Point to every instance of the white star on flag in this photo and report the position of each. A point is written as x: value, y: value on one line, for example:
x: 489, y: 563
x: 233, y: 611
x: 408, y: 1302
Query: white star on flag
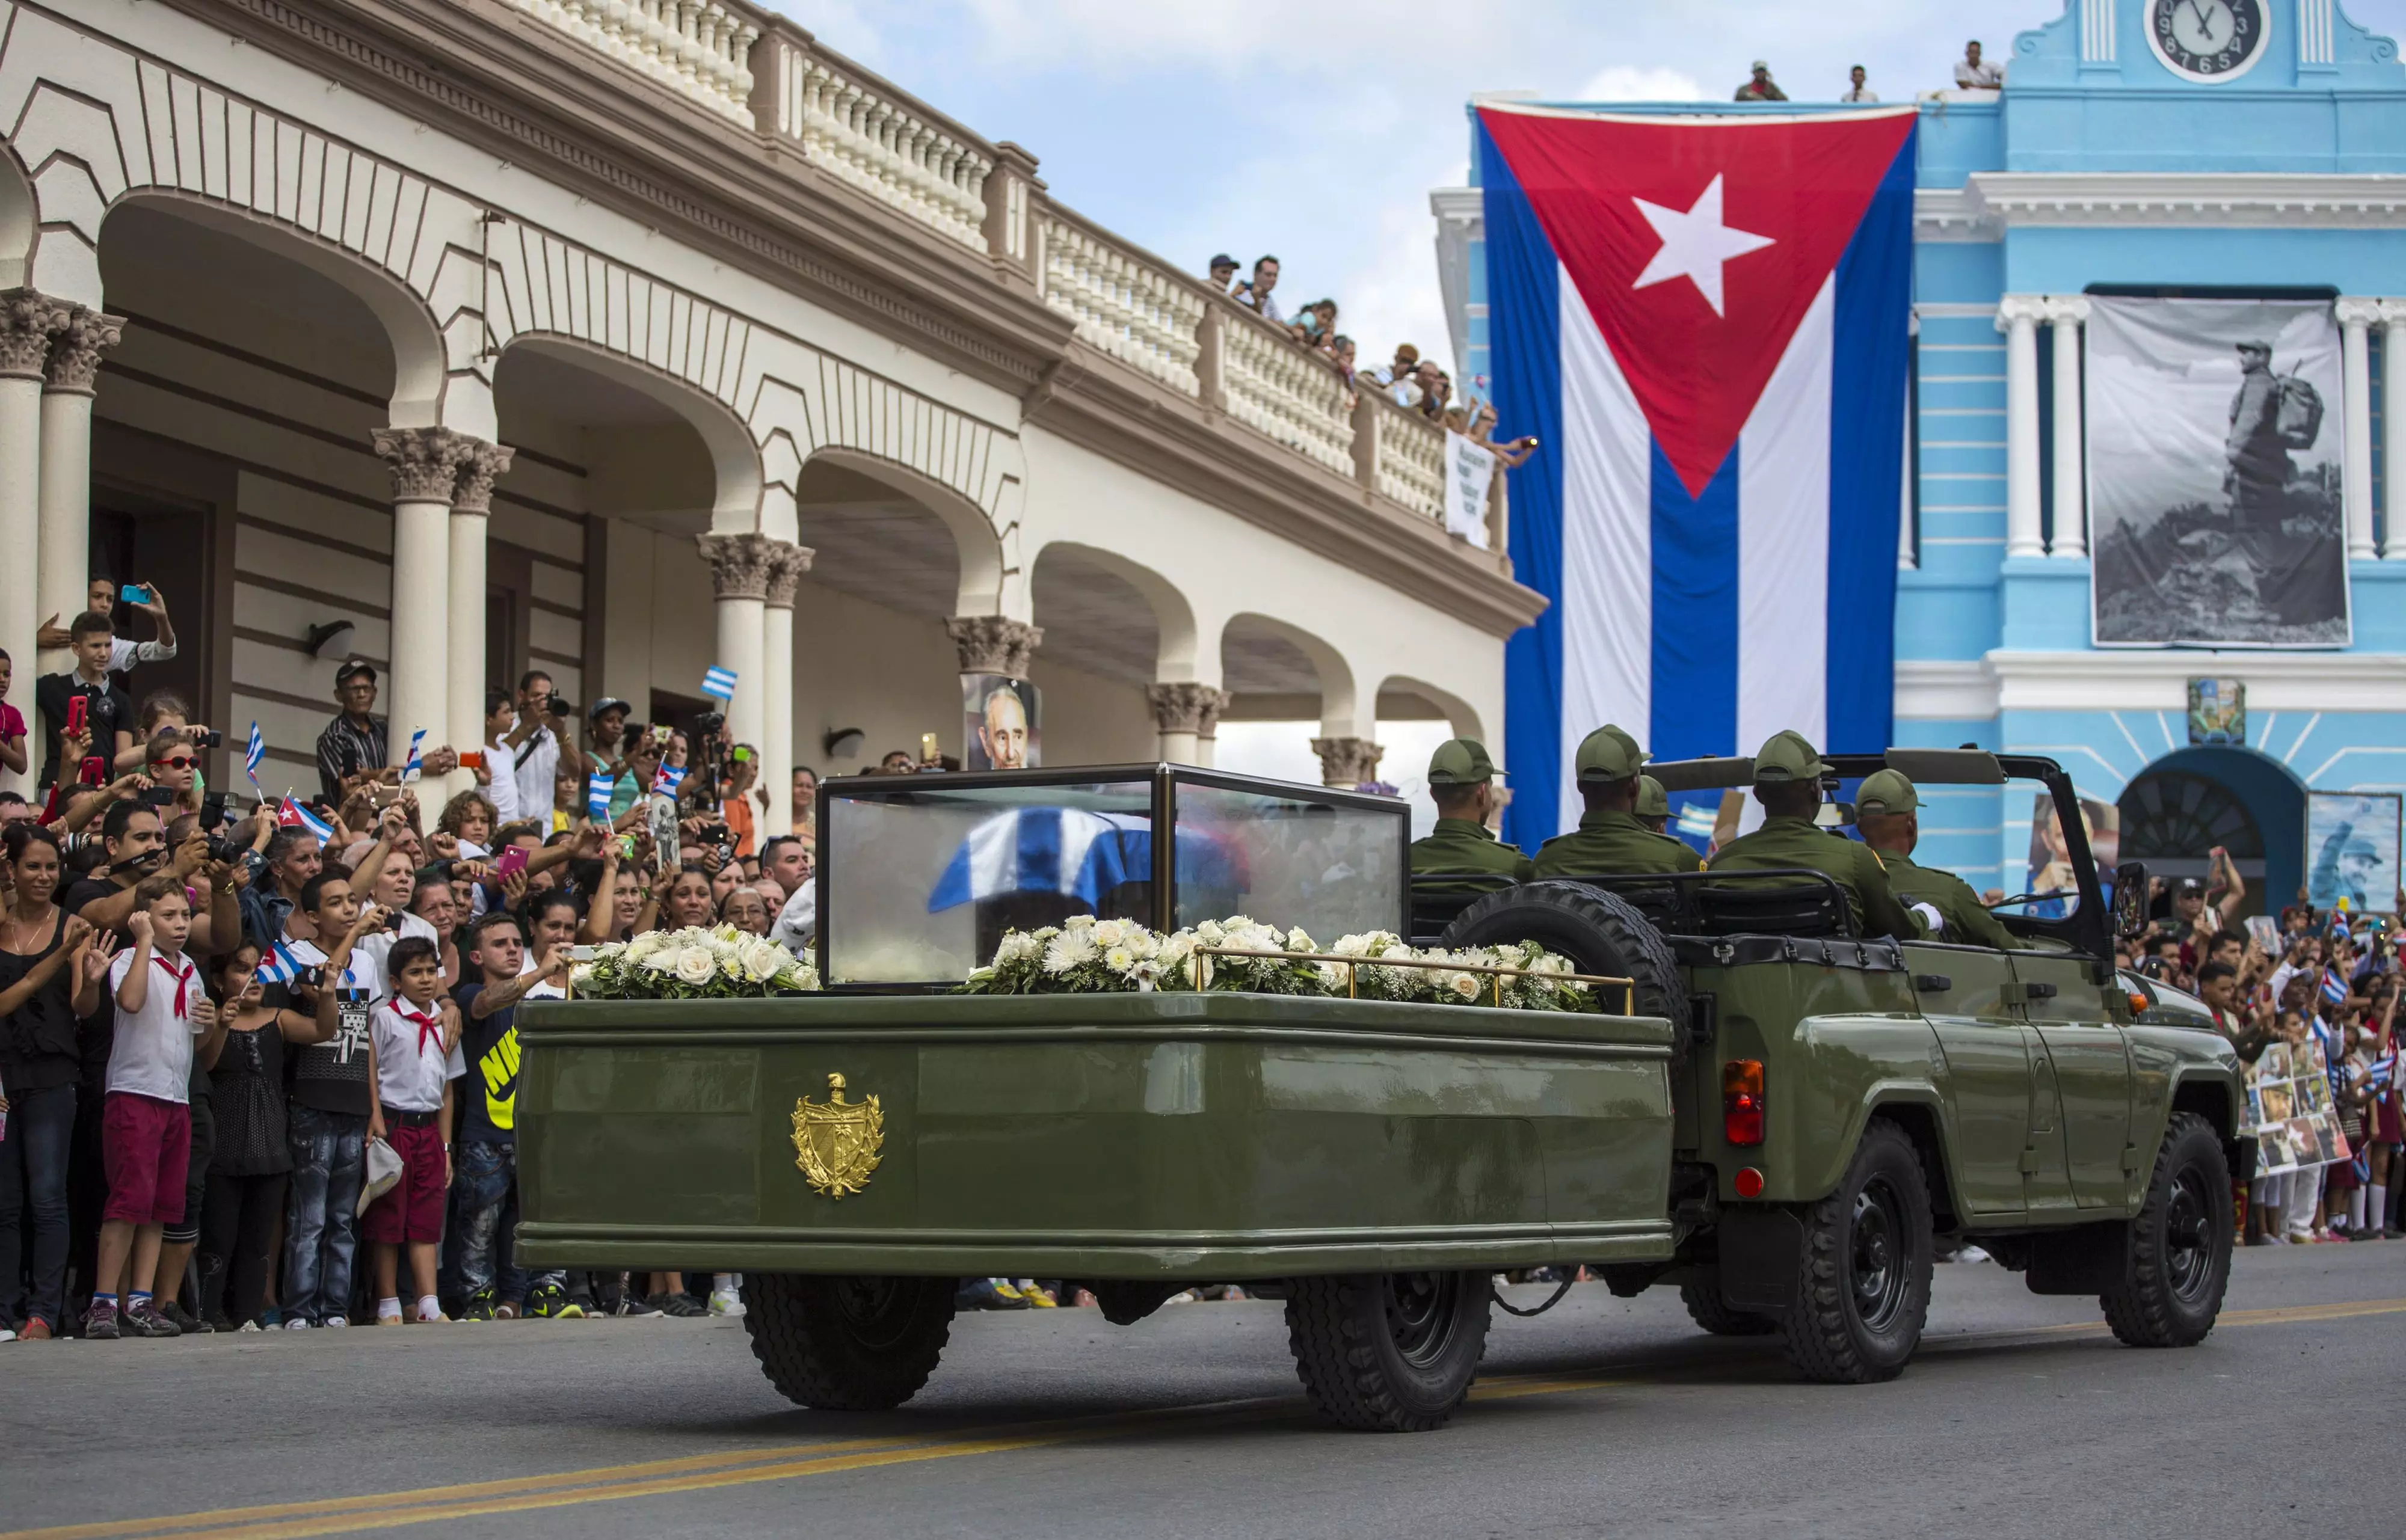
x: 1695, y: 244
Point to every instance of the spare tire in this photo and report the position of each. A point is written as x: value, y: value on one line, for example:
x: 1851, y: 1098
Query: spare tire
x: 1598, y: 931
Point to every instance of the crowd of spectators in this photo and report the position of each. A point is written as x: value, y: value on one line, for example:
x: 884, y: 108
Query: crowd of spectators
x: 242, y: 1038
x: 1973, y: 72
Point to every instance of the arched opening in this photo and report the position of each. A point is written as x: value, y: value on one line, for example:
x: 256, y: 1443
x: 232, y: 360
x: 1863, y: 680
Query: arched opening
x: 1414, y: 717
x: 1111, y: 630
x: 17, y: 219
x: 1288, y: 688
x: 2182, y: 805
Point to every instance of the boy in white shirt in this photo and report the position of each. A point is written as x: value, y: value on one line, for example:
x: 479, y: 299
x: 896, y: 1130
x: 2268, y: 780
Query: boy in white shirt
x: 145, y: 1126
x: 414, y: 1054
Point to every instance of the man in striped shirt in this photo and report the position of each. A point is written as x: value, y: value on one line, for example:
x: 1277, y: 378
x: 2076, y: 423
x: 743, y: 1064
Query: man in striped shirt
x: 352, y: 749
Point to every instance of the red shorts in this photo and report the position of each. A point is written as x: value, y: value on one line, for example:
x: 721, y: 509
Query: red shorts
x: 412, y: 1209
x: 146, y: 1148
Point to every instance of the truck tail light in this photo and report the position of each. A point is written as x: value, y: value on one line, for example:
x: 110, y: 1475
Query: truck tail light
x: 1742, y: 1101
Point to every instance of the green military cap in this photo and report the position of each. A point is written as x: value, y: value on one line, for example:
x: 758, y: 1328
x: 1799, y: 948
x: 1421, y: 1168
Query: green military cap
x: 1460, y: 762
x: 1652, y: 800
x: 1608, y: 754
x: 1886, y: 791
x: 1787, y: 757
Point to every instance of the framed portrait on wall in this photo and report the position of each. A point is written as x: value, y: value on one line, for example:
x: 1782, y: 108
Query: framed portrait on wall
x: 1000, y: 723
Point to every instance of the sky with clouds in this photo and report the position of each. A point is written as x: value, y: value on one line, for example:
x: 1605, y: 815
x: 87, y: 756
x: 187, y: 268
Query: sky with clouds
x: 1315, y: 129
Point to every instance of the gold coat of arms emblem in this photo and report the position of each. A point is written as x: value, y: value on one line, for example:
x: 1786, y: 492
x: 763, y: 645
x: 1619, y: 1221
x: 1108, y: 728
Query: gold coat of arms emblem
x: 836, y: 1141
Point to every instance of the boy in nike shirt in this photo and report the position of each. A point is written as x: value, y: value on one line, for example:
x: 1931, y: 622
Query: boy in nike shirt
x: 487, y: 1152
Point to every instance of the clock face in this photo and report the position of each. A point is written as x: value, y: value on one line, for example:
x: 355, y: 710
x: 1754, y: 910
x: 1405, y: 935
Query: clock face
x: 2207, y: 40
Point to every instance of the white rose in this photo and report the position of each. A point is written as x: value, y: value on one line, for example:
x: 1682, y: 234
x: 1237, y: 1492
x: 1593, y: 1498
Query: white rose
x: 1143, y: 942
x: 1298, y: 942
x: 1211, y: 933
x: 1111, y: 933
x: 763, y: 960
x: 581, y: 976
x: 696, y: 966
x: 1079, y: 922
x: 1465, y: 986
x: 643, y: 946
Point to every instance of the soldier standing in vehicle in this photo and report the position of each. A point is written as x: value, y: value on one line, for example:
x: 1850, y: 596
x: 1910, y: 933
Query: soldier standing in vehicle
x: 1462, y: 783
x: 1653, y: 804
x: 1611, y: 838
x: 1788, y: 773
x: 1887, y: 815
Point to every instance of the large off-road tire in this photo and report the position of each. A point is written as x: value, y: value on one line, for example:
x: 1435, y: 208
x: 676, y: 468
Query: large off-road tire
x: 1388, y: 1352
x: 847, y: 1344
x: 2179, y: 1244
x: 1863, y: 1283
x: 1596, y: 930
x: 1708, y: 1309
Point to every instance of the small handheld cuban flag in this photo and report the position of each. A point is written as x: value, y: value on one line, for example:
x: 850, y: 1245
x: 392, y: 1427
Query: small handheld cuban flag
x: 668, y: 778
x: 414, y: 767
x: 293, y: 815
x: 718, y: 683
x: 279, y: 967
x: 2334, y: 987
x: 254, y: 753
x: 597, y: 796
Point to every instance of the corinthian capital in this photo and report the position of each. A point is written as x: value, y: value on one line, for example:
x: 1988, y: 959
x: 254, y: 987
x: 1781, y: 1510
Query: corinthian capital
x: 28, y: 320
x: 993, y: 644
x: 473, y: 492
x: 788, y: 562
x: 739, y: 564
x: 1186, y: 707
x: 1347, y: 761
x: 424, y: 461
x: 75, y: 348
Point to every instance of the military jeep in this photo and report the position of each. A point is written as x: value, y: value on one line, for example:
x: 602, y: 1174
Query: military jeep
x: 1780, y: 1118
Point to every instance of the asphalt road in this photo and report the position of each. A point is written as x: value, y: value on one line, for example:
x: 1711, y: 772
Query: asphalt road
x: 2021, y: 1416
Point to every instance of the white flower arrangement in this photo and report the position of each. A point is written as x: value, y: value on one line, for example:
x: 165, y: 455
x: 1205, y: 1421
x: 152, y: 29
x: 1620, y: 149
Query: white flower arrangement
x: 1085, y: 956
x: 693, y: 964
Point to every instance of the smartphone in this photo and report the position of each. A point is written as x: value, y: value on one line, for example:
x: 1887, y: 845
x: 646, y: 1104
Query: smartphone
x: 135, y: 593
x: 928, y: 754
x: 473, y: 759
x: 76, y: 706
x: 741, y: 754
x: 95, y: 771
x: 513, y: 860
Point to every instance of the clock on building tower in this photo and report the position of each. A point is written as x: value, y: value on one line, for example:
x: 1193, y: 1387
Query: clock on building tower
x: 2207, y: 40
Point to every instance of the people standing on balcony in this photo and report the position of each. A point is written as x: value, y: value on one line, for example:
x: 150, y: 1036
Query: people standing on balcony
x: 1856, y: 90
x: 1255, y: 295
x: 100, y: 596
x: 1223, y: 272
x: 1482, y: 429
x: 1396, y: 378
x: 1314, y: 324
x: 1973, y: 73
x: 1758, y: 88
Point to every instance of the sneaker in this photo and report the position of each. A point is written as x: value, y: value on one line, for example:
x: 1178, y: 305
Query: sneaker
x: 1970, y: 1254
x: 1184, y: 1296
x: 550, y: 1302
x: 335, y: 1322
x: 185, y: 1322
x: 630, y: 1304
x: 144, y: 1319
x: 294, y: 1323
x: 986, y: 1293
x: 100, y: 1323
x: 1039, y: 1296
x: 727, y: 1302
x: 1009, y: 1293
x: 1234, y: 1293
x: 479, y: 1305
x: 679, y: 1305
x: 250, y: 1326
x: 2351, y: 1235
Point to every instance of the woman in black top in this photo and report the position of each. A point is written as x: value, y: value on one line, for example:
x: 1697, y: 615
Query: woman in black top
x: 50, y: 968
x: 252, y: 1161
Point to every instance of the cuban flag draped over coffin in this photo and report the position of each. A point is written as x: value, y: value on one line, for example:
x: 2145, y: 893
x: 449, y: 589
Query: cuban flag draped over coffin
x: 1703, y: 322
x: 1078, y: 853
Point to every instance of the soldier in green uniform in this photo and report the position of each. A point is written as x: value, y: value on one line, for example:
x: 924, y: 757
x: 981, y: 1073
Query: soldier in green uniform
x: 1611, y: 839
x: 1887, y: 815
x: 1653, y: 804
x: 1788, y: 773
x: 1462, y: 783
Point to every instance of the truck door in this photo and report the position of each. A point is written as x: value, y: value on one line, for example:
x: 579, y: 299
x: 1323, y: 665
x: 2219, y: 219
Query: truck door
x: 1961, y: 991
x: 2063, y: 1001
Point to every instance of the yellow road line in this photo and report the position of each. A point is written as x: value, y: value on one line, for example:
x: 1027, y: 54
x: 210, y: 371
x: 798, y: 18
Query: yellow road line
x: 784, y: 1463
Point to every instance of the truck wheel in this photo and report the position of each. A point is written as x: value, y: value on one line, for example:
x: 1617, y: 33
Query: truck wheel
x: 1862, y: 1287
x: 2179, y: 1244
x: 1598, y: 931
x: 1708, y: 1309
x: 1388, y: 1352
x: 847, y: 1344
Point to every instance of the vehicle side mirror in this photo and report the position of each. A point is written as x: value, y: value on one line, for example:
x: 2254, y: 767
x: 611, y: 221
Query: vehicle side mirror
x: 2130, y: 899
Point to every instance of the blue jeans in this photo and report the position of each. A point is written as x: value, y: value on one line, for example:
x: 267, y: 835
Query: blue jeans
x: 322, y: 1231
x: 485, y: 1173
x: 34, y: 1201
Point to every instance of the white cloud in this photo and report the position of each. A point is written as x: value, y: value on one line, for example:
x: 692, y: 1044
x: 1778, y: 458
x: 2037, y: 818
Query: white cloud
x: 1641, y: 83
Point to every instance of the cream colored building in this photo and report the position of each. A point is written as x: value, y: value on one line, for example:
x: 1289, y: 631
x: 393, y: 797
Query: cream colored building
x: 623, y: 337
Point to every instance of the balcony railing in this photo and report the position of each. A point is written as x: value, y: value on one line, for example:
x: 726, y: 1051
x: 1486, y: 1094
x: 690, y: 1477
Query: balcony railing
x: 1283, y: 390
x: 699, y: 49
x: 882, y: 141
x: 1123, y: 301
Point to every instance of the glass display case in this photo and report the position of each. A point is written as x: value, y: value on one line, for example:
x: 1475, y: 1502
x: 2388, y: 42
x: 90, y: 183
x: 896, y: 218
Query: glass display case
x: 920, y: 875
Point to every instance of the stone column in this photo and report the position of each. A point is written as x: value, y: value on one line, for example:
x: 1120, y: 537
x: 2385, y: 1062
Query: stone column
x: 2018, y: 318
x: 2356, y: 317
x: 472, y: 505
x: 1186, y: 714
x: 2393, y: 426
x: 28, y: 321
x: 2067, y: 314
x: 65, y: 562
x: 738, y: 580
x: 787, y: 563
x: 1347, y: 762
x: 425, y: 466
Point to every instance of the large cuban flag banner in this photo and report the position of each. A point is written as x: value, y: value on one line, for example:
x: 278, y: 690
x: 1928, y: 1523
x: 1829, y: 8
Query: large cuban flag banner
x: 1703, y: 320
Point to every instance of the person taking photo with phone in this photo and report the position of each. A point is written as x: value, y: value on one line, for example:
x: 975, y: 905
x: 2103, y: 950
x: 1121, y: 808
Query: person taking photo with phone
x: 84, y: 701
x: 101, y: 596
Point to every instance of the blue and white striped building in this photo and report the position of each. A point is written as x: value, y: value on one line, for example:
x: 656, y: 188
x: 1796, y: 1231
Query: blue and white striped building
x: 2100, y: 169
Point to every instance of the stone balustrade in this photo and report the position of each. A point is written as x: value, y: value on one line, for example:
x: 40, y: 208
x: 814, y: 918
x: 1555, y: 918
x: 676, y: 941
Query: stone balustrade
x: 1405, y: 454
x: 1283, y: 392
x: 699, y: 49
x: 879, y: 140
x: 1124, y: 301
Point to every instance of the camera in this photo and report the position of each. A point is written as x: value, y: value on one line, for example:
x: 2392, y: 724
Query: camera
x: 712, y: 834
x: 209, y: 740
x: 709, y: 723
